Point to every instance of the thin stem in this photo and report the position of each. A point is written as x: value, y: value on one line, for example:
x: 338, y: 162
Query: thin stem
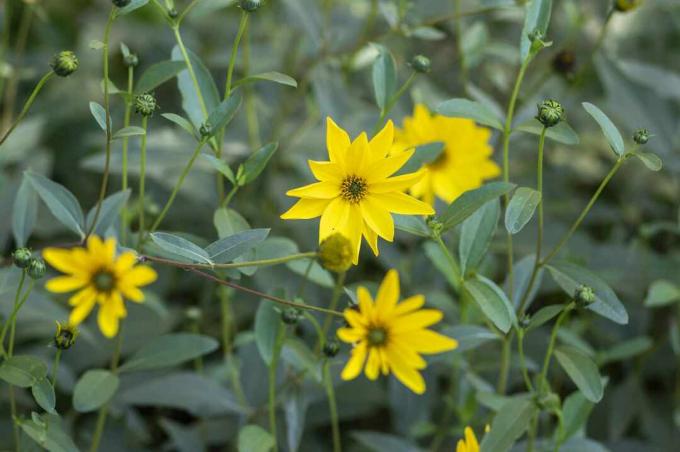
x: 234, y: 52
x: 551, y: 344
x: 337, y: 291
x: 186, y: 11
x: 392, y: 101
x: 522, y: 360
x: 142, y: 183
x: 249, y: 99
x: 257, y: 263
x: 227, y: 199
x: 459, y: 44
x: 27, y: 105
x: 278, y: 344
x: 126, y: 123
x: 15, y: 309
x: 455, y: 268
x: 178, y: 185
x: 13, y: 326
x: 501, y: 386
x: 22, y: 33
x: 332, y: 406
x: 229, y: 331
x: 55, y: 368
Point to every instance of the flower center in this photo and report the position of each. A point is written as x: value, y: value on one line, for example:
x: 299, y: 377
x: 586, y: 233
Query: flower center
x: 377, y: 337
x: 104, y: 281
x: 353, y: 189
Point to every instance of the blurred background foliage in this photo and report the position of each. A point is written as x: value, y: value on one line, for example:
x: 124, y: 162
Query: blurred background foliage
x: 631, y: 238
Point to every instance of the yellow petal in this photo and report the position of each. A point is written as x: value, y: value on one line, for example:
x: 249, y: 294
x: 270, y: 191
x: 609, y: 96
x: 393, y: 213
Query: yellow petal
x: 83, y: 301
x: 409, y: 376
x: 372, y: 364
x: 429, y: 342
x: 350, y: 335
x: 378, y: 218
x: 381, y: 143
x: 384, y: 168
x: 109, y: 316
x: 337, y: 142
x: 356, y: 362
x: 305, y: 209
x: 125, y: 262
x: 401, y: 345
x: 396, y: 183
x: 327, y: 171
x: 409, y: 305
x: 416, y: 320
x: 471, y: 440
x: 317, y: 190
x: 141, y: 275
x: 63, y: 260
x: 62, y: 284
x: 365, y: 303
x: 358, y: 154
x: 388, y: 293
x: 131, y: 293
x: 402, y: 203
x: 333, y: 217
x: 371, y: 238
x: 461, y: 447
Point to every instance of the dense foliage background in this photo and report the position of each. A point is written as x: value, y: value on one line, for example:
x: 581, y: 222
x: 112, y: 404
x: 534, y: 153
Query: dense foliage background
x: 631, y: 238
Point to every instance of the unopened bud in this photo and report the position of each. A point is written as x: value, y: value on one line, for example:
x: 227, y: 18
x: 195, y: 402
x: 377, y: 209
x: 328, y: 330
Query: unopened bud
x: 550, y: 113
x: 290, y: 316
x: 131, y: 60
x: 121, y: 3
x: 65, y: 336
x: 250, y: 6
x: 145, y: 104
x: 22, y: 257
x: 36, y: 268
x: 641, y: 136
x: 584, y: 295
x: 64, y: 63
x: 335, y: 253
x: 331, y: 348
x: 421, y: 63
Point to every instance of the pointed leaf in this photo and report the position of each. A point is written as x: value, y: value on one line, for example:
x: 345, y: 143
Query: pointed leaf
x: 109, y: 211
x: 582, y: 371
x: 257, y: 162
x: 465, y: 108
x: 492, y: 301
x: 158, y: 74
x: 468, y: 203
x: 384, y: 77
x: 61, y: 202
x: 537, y: 18
x: 229, y: 248
x: 24, y: 213
x: 169, y: 350
x: 610, y: 131
x: 476, y: 235
x: 273, y: 76
x: 181, y: 247
x: 94, y: 389
x: 521, y: 208
x: 511, y: 421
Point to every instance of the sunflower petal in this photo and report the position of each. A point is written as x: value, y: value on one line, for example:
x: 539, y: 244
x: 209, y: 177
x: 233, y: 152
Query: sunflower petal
x: 356, y: 362
x: 337, y: 142
x: 377, y: 218
x: 62, y: 284
x: 305, y: 209
x: 404, y: 204
x: 317, y: 190
x: 388, y: 293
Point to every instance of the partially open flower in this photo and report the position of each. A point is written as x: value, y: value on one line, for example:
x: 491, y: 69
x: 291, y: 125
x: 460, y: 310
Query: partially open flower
x: 64, y: 63
x: 550, y: 113
x: 65, y: 336
x: 335, y: 253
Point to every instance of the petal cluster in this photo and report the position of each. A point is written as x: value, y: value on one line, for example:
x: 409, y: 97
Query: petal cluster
x: 469, y: 443
x: 357, y: 192
x: 390, y: 336
x: 99, y: 277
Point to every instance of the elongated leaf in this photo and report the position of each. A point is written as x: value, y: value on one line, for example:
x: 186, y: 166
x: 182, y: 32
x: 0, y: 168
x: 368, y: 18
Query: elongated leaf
x: 302, y: 358
x: 625, y: 350
x: 182, y: 122
x: 43, y: 393
x: 24, y: 213
x: 267, y: 326
x: 22, y: 370
x: 662, y: 293
x: 511, y: 421
x: 450, y: 270
x: 465, y: 108
x: 125, y: 132
x: 651, y: 160
x: 99, y: 114
x: 132, y: 6
x: 253, y: 438
x: 221, y: 166
x: 610, y: 131
x: 224, y: 113
x: 109, y: 211
x: 521, y: 208
x: 48, y: 433
x: 575, y: 411
x: 476, y: 235
x: 229, y: 248
x: 295, y: 409
x: 384, y: 77
x: 582, y: 371
x: 61, y: 202
x: 190, y: 99
x: 569, y: 276
x: 521, y: 278
x: 562, y: 132
x: 256, y: 163
x: 181, y: 247
x: 468, y: 203
x: 537, y: 18
x: 169, y: 350
x: 492, y: 301
x: 411, y: 224
x: 543, y: 315
x: 94, y: 389
x: 157, y: 74
x: 273, y: 76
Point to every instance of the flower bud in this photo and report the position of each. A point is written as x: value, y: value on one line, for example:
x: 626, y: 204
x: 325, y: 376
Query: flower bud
x: 565, y: 63
x: 250, y: 6
x: 331, y: 348
x: 121, y: 3
x: 145, y: 104
x: 584, y: 295
x: 290, y: 316
x: 626, y: 5
x: 65, y: 336
x: 435, y: 225
x: 550, y: 113
x: 172, y: 12
x: 641, y: 136
x: 206, y: 130
x: 549, y: 402
x: 64, y: 63
x: 131, y: 60
x: 421, y: 64
x: 36, y: 268
x: 335, y: 253
x: 22, y: 257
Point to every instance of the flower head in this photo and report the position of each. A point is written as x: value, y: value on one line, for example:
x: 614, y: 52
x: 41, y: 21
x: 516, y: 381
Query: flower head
x: 465, y: 162
x: 22, y: 257
x: 64, y: 63
x: 626, y: 5
x: 469, y: 443
x: 36, y: 268
x: 389, y: 336
x: 356, y: 194
x: 65, y: 336
x: 550, y: 113
x: 99, y: 278
x: 145, y: 104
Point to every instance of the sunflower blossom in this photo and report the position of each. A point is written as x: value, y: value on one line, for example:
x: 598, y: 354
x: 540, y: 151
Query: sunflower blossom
x: 465, y: 162
x: 356, y: 195
x: 469, y: 443
x: 99, y: 278
x: 389, y: 336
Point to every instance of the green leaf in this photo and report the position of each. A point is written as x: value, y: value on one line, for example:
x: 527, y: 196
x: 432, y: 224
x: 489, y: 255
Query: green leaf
x: 273, y: 76
x: 229, y: 248
x: 206, y: 84
x: 412, y: 224
x: 99, y: 115
x: 22, y: 370
x: 381, y: 442
x: 492, y: 301
x: 169, y: 350
x: 521, y: 278
x: 61, y: 202
x: 476, y: 235
x: 575, y: 412
x: 221, y: 166
x: 562, y: 132
x: 537, y: 18
x: 521, y: 208
x: 470, y: 337
x: 111, y: 207
x: 267, y: 327
x: 662, y: 293
x: 543, y: 315
x: 582, y: 371
x: 424, y: 154
x: 300, y: 357
x: 253, y: 438
x: 157, y: 74
x: 182, y: 122
x: 511, y: 421
x: 651, y: 160
x: 625, y: 350
x: 125, y: 132
x: 468, y: 203
x: 465, y: 108
x: 181, y: 247
x: 48, y: 433
x: 43, y: 393
x: 316, y: 274
x: 256, y: 163
x: 228, y: 222
x: 24, y: 213
x: 224, y: 113
x: 442, y: 263
x: 384, y: 77
x: 95, y: 388
x: 132, y: 6
x: 610, y: 131
x: 569, y: 276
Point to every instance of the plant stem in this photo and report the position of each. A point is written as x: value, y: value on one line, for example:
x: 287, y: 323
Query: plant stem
x: 505, y: 365
x: 234, y: 52
x: 337, y: 291
x: 551, y: 345
x: 278, y: 344
x: 142, y: 183
x: 522, y: 360
x: 392, y: 101
x: 227, y: 199
x: 13, y: 326
x: 258, y: 263
x: 55, y: 368
x: 107, y: 110
x: 12, y: 316
x: 178, y: 185
x: 27, y: 105
x: 22, y: 36
x: 249, y: 99
x: 455, y: 268
x: 126, y: 123
x: 229, y: 331
x: 332, y: 406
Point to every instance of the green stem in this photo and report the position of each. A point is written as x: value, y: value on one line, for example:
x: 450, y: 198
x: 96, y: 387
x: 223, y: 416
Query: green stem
x: 257, y: 263
x: 337, y: 291
x: 142, y: 183
x: 234, y: 52
x: 392, y: 101
x: 178, y: 185
x: 459, y: 44
x: 249, y: 99
x: 227, y: 199
x: 22, y: 37
x: 551, y: 345
x: 278, y: 344
x: 332, y: 407
x: 190, y: 68
x: 505, y: 365
x: 229, y: 331
x: 522, y: 360
x: 27, y: 105
x: 126, y: 123
x: 55, y: 368
x: 456, y: 277
x: 13, y: 315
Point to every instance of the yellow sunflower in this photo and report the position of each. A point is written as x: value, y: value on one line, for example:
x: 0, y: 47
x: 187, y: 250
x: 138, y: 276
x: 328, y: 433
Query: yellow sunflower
x: 100, y: 278
x: 469, y: 443
x: 389, y: 336
x: 356, y: 195
x: 465, y: 162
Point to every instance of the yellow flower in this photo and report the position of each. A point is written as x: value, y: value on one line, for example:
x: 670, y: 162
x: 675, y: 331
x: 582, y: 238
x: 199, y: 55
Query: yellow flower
x: 465, y: 162
x: 356, y: 195
x: 389, y: 336
x: 469, y: 444
x: 99, y: 277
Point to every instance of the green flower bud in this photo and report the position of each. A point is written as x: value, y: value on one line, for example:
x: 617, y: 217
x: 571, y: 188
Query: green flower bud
x: 565, y: 63
x: 205, y: 130
x: 250, y: 6
x: 36, y: 268
x: 421, y: 63
x: 22, y: 257
x: 65, y: 336
x: 626, y: 5
x: 172, y: 12
x: 435, y: 225
x: 145, y: 104
x: 641, y: 136
x: 335, y: 253
x: 131, y: 60
x: 331, y: 348
x: 121, y: 3
x: 550, y: 113
x: 290, y: 316
x: 64, y: 63
x: 549, y: 402
x: 584, y: 295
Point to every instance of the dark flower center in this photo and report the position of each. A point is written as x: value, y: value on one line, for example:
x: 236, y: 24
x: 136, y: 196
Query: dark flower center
x: 377, y: 337
x: 104, y: 281
x: 353, y: 189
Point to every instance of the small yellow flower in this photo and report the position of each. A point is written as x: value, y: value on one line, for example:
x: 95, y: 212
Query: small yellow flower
x: 469, y: 444
x: 465, y: 162
x: 389, y: 336
x: 356, y: 195
x: 100, y: 278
